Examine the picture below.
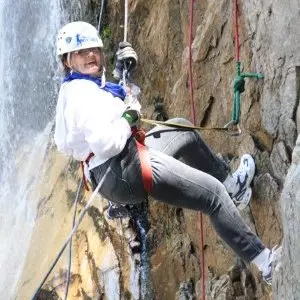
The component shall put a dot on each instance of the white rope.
(80, 217)
(126, 20)
(70, 245)
(100, 16)
(125, 39)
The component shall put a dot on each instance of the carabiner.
(232, 132)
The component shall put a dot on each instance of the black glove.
(126, 57)
(132, 116)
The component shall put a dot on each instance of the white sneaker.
(273, 260)
(238, 185)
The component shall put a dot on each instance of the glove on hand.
(126, 52)
(132, 116)
(126, 56)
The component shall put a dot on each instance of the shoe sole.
(251, 163)
(276, 262)
(246, 198)
(242, 204)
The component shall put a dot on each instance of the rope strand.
(100, 16)
(236, 27)
(193, 117)
(125, 20)
(70, 247)
(191, 87)
(182, 126)
(89, 203)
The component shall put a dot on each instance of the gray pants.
(187, 174)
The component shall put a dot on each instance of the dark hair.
(64, 59)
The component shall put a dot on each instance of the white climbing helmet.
(76, 36)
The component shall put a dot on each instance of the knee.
(219, 198)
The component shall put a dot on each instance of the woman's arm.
(98, 116)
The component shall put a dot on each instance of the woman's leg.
(187, 146)
(123, 183)
(178, 184)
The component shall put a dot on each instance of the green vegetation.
(106, 33)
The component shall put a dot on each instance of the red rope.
(193, 120)
(191, 87)
(236, 29)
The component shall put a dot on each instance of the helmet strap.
(69, 60)
(103, 78)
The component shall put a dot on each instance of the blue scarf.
(115, 89)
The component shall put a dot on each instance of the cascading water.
(27, 99)
(28, 93)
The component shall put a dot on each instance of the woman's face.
(86, 61)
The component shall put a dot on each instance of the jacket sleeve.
(97, 117)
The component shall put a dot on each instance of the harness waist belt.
(145, 166)
(144, 160)
(146, 169)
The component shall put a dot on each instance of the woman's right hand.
(132, 116)
(126, 57)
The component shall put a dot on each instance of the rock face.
(134, 259)
(287, 287)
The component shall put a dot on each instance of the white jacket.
(88, 119)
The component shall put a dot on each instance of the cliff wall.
(105, 262)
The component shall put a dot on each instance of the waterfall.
(27, 100)
(29, 86)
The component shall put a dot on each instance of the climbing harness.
(138, 133)
(193, 116)
(146, 168)
(239, 79)
(75, 227)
